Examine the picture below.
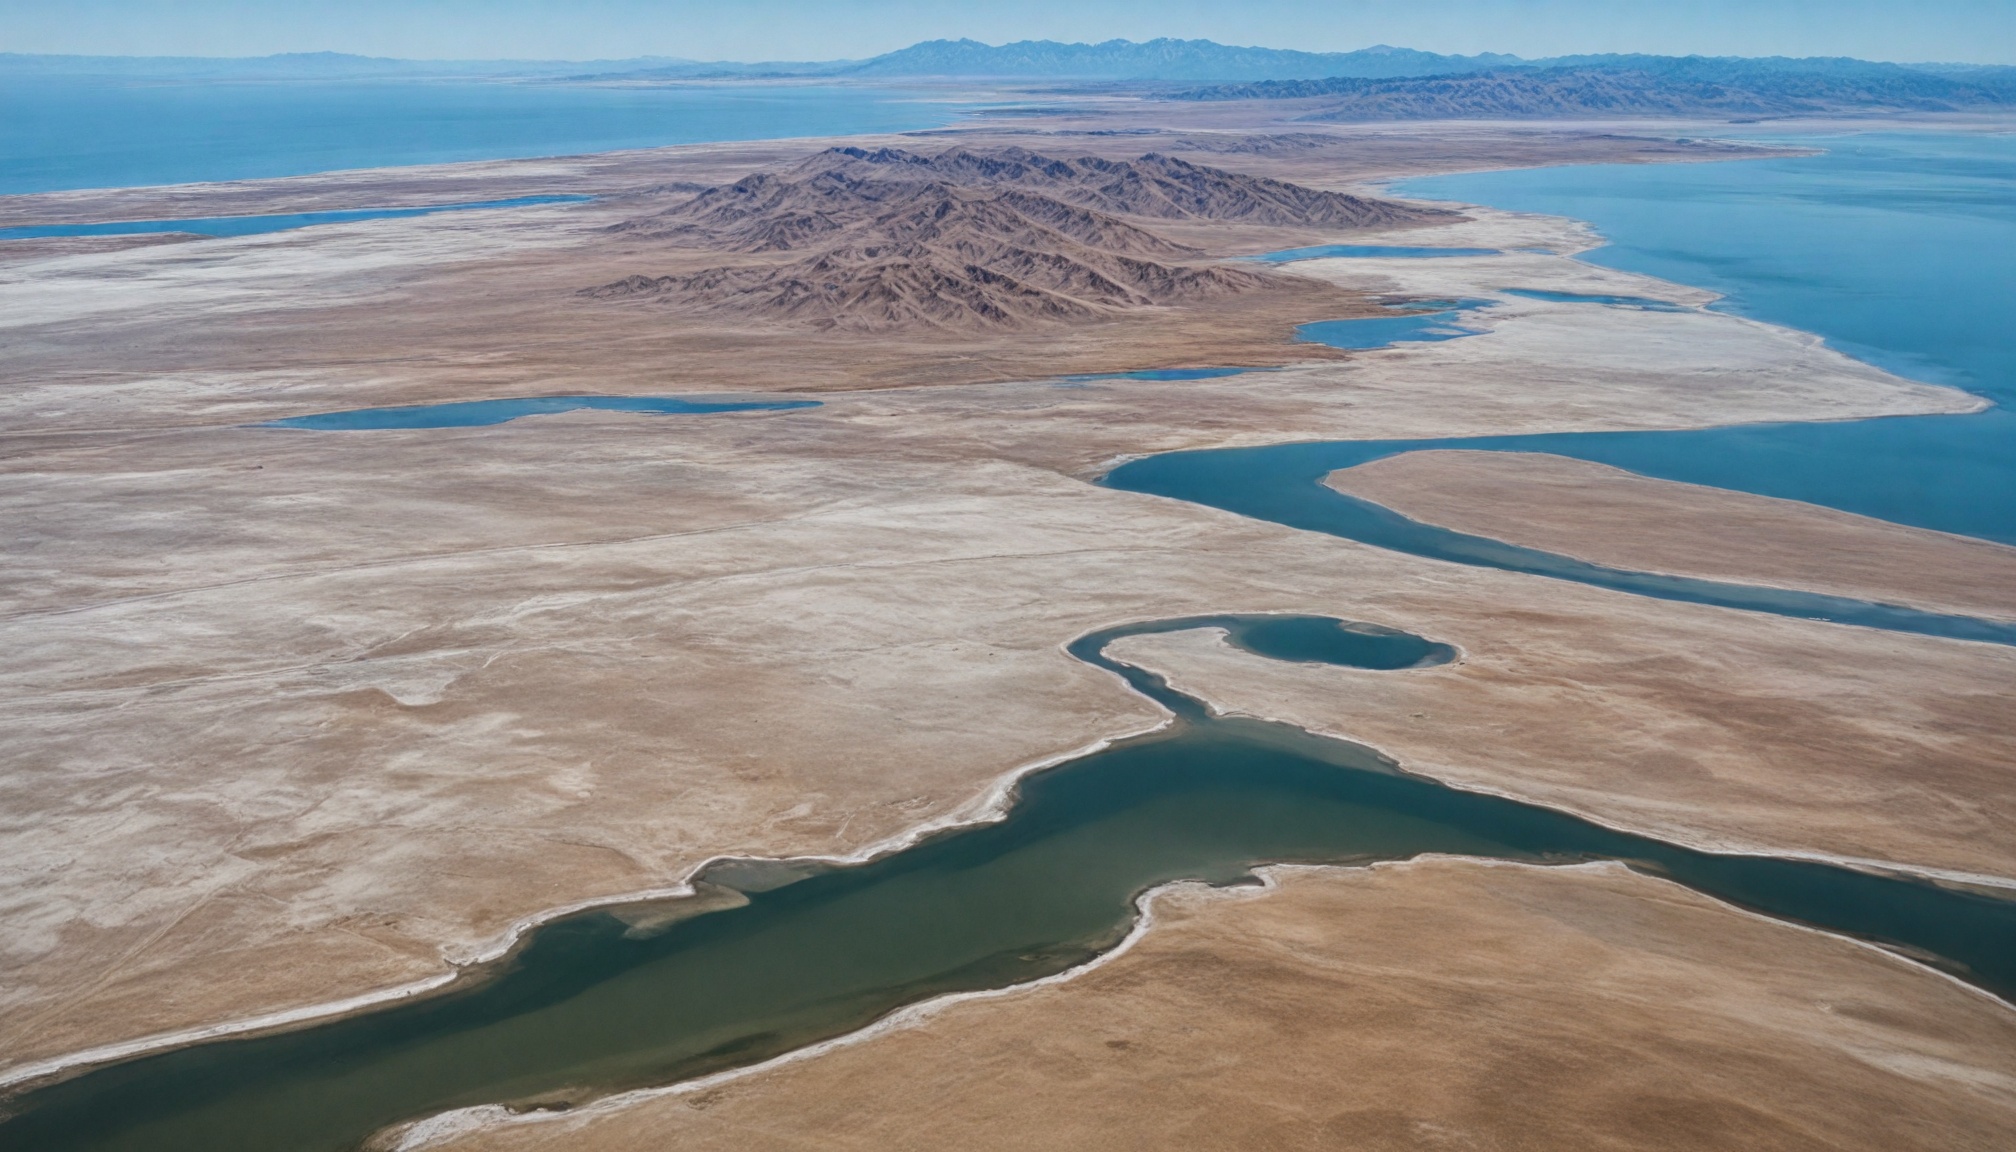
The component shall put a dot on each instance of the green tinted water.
(598, 1002)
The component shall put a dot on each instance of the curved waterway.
(1283, 483)
(1925, 288)
(799, 951)
(483, 413)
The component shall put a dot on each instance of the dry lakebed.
(307, 725)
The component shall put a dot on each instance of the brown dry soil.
(1608, 516)
(1003, 239)
(1442, 1004)
(430, 301)
(333, 711)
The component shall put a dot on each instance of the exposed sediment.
(332, 710)
(1435, 1003)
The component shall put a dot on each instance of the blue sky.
(1960, 30)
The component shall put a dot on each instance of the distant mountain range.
(1160, 60)
(1247, 70)
(1641, 87)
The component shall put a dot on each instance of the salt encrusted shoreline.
(991, 807)
(419, 1135)
(988, 806)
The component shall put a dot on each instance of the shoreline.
(1704, 844)
(988, 806)
(992, 806)
(418, 1135)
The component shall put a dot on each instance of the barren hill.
(891, 239)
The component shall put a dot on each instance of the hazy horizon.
(724, 60)
(1954, 31)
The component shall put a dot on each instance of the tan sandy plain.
(1439, 1004)
(332, 712)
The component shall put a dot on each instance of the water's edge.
(1308, 639)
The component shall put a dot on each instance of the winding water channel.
(483, 413)
(608, 1000)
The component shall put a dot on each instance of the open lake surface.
(60, 132)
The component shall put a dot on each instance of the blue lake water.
(1413, 325)
(1165, 374)
(1283, 483)
(1641, 303)
(1894, 247)
(1323, 251)
(482, 413)
(1899, 248)
(75, 132)
(254, 225)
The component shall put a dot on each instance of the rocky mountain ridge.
(886, 239)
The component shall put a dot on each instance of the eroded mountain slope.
(888, 239)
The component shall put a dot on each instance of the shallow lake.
(482, 413)
(1641, 303)
(1424, 323)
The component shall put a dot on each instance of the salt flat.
(335, 711)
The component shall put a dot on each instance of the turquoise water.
(1327, 250)
(1899, 248)
(255, 225)
(1414, 325)
(1283, 483)
(71, 132)
(602, 1001)
(1166, 374)
(1640, 303)
(480, 413)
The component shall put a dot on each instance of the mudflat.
(1439, 1003)
(338, 712)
